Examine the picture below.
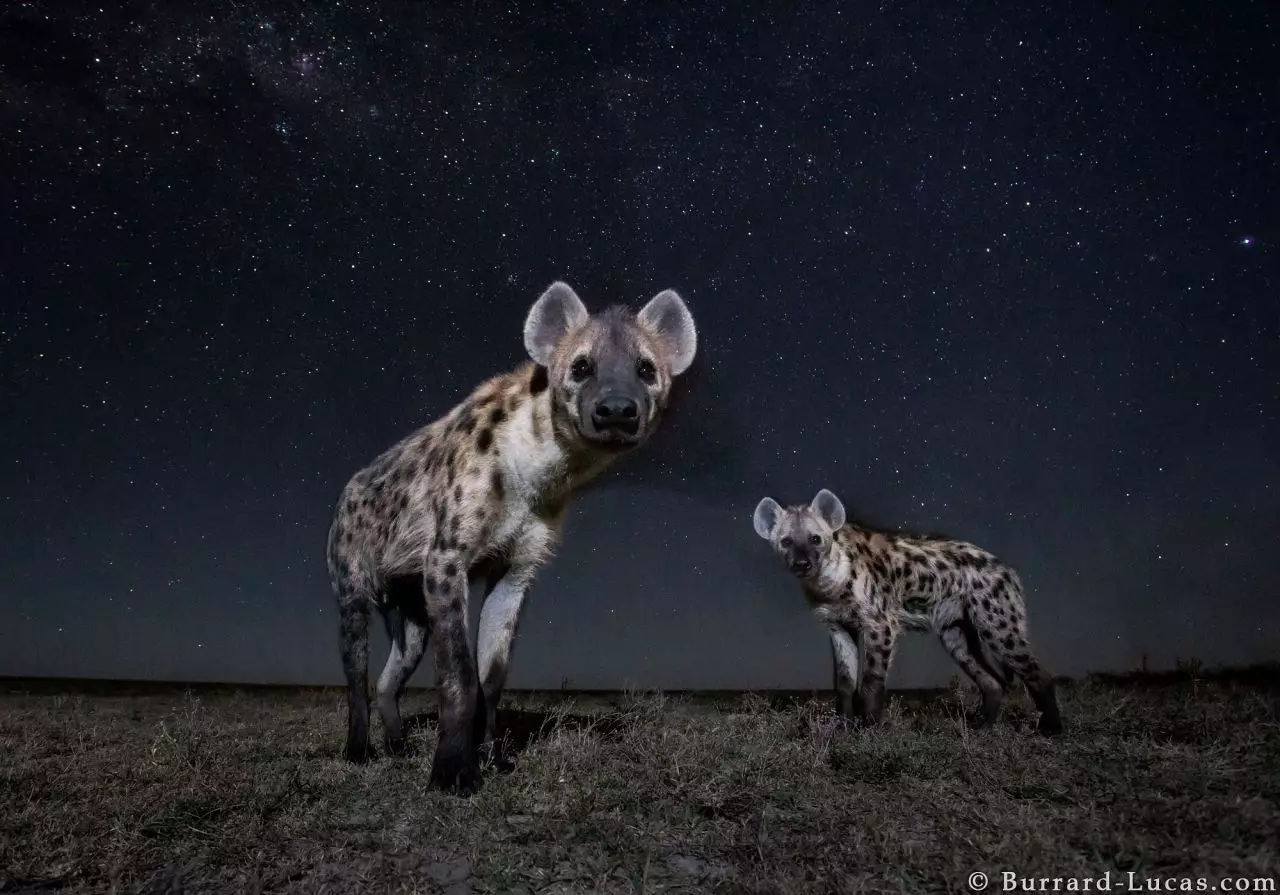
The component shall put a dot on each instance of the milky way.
(1007, 273)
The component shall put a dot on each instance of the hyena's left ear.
(766, 517)
(671, 323)
(829, 509)
(555, 313)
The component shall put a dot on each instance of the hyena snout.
(617, 413)
(801, 561)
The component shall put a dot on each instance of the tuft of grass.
(246, 791)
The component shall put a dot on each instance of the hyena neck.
(833, 578)
(541, 461)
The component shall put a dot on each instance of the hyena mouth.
(613, 439)
(617, 437)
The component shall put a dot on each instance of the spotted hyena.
(870, 585)
(469, 507)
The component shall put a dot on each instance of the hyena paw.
(1050, 727)
(398, 746)
(843, 723)
(493, 754)
(455, 773)
(360, 753)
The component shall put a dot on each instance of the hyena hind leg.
(1039, 684)
(353, 616)
(407, 630)
(958, 639)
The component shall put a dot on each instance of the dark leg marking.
(872, 697)
(353, 614)
(875, 670)
(456, 764)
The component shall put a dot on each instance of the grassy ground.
(244, 791)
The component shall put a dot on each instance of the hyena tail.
(353, 614)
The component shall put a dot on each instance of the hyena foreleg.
(456, 765)
(879, 641)
(847, 667)
(499, 624)
(500, 620)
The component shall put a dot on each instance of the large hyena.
(869, 585)
(469, 507)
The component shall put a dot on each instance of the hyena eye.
(581, 368)
(646, 370)
(785, 542)
(815, 539)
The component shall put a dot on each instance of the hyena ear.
(670, 321)
(829, 508)
(766, 517)
(555, 313)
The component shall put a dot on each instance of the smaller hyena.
(870, 585)
(459, 516)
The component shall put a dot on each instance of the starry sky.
(1006, 271)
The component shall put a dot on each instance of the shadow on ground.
(519, 728)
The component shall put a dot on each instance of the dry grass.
(244, 791)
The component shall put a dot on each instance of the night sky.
(1004, 271)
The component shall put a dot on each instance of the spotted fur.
(868, 586)
(469, 507)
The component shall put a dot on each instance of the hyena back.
(469, 507)
(869, 586)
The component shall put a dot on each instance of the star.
(256, 244)
(306, 63)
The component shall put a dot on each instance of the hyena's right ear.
(766, 517)
(829, 509)
(555, 313)
(667, 317)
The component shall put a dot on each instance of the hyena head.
(610, 374)
(802, 536)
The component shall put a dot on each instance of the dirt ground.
(225, 790)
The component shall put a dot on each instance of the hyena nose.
(802, 565)
(617, 412)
